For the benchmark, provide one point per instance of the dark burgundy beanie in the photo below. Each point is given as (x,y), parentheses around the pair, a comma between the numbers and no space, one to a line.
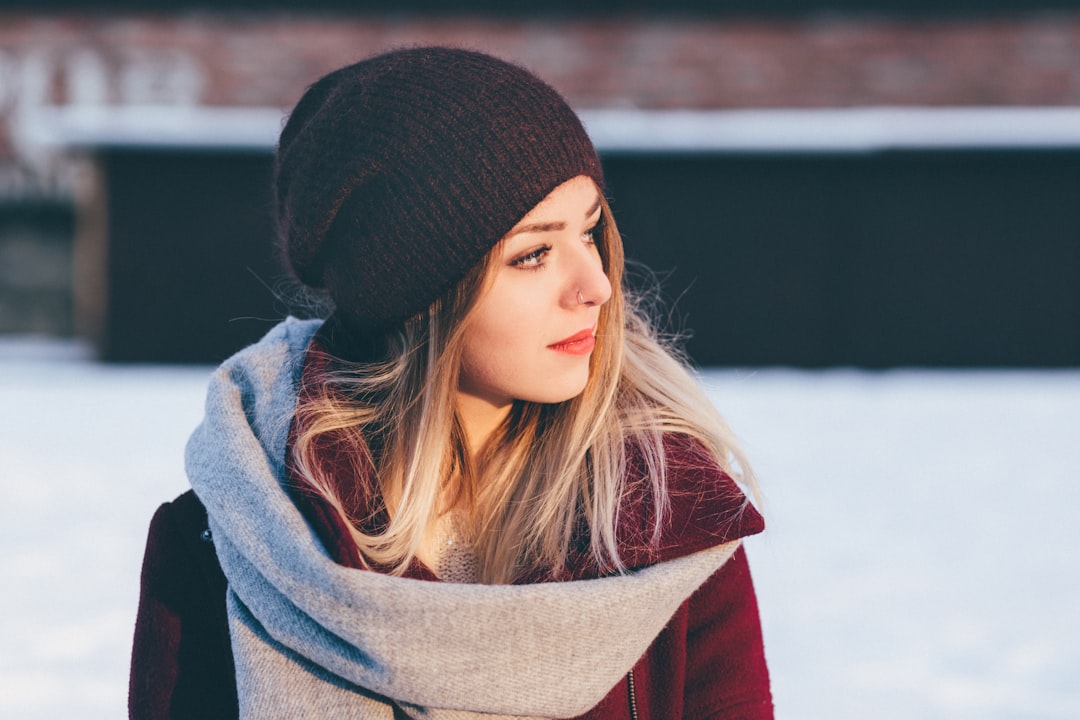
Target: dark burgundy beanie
(397,174)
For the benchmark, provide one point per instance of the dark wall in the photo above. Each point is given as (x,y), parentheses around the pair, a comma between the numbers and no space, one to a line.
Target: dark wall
(35,267)
(191,271)
(878,260)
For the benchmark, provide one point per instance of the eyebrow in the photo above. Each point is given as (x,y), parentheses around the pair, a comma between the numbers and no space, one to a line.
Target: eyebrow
(551,226)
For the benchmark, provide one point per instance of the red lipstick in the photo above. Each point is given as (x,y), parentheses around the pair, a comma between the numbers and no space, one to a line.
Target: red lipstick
(580,343)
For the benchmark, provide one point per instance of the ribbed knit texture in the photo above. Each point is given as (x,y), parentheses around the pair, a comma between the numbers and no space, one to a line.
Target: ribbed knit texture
(314,639)
(397,174)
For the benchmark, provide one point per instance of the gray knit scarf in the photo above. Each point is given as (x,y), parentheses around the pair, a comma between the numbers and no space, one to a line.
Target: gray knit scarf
(314,639)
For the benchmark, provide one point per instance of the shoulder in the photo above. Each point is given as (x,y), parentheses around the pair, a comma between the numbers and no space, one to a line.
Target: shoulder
(703,506)
(182,519)
(179,546)
(186,511)
(181,659)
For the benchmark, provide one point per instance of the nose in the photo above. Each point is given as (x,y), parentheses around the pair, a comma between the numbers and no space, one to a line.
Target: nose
(589,284)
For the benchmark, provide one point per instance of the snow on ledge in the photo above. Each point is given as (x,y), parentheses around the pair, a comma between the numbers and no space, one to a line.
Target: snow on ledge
(834,130)
(160,126)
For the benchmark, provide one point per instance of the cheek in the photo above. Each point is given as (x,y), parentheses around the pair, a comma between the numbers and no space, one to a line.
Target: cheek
(506,318)
(500,343)
(496,347)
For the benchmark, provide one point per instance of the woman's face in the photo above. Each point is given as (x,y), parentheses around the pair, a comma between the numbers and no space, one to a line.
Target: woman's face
(532,332)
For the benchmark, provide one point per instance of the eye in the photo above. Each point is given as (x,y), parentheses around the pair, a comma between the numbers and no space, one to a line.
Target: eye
(533,260)
(591,235)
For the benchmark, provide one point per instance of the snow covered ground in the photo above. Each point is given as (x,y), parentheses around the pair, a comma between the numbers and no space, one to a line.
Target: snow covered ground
(921,558)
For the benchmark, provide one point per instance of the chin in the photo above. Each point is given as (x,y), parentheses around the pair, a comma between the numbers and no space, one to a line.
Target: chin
(564,393)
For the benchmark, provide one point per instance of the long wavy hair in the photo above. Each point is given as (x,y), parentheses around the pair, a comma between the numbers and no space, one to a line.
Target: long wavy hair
(549,469)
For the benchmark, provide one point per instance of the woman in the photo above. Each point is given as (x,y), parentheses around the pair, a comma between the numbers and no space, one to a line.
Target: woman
(485,407)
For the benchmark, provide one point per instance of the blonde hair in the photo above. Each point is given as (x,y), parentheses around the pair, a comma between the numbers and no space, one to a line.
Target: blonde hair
(548,467)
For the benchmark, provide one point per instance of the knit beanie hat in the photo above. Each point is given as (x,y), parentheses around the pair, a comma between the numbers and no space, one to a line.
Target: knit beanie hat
(396,175)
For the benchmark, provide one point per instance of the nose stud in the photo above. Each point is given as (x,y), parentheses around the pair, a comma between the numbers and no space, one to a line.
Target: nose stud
(580,298)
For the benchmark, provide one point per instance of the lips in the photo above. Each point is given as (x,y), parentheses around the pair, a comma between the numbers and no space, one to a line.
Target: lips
(580,343)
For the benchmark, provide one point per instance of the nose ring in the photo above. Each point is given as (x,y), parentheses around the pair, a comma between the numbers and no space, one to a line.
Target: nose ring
(580,298)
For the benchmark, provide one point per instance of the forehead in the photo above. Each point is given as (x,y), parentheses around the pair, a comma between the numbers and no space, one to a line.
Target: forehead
(577,196)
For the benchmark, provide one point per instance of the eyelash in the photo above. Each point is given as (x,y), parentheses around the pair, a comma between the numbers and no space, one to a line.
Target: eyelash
(525,262)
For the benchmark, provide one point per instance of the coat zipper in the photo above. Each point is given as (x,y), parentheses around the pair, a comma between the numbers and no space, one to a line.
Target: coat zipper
(633,698)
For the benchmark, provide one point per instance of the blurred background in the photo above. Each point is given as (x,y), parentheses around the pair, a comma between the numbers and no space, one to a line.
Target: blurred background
(863,213)
(850,183)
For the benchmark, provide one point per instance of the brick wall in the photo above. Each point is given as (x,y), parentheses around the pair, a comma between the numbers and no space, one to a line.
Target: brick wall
(254,60)
(223,60)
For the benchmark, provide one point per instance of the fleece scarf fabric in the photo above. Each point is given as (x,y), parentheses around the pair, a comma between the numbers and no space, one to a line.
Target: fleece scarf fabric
(312,638)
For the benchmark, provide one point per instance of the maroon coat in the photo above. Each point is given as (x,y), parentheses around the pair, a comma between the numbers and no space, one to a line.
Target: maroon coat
(708,662)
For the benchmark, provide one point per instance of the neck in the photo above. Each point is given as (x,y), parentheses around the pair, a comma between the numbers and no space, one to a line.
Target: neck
(479,419)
